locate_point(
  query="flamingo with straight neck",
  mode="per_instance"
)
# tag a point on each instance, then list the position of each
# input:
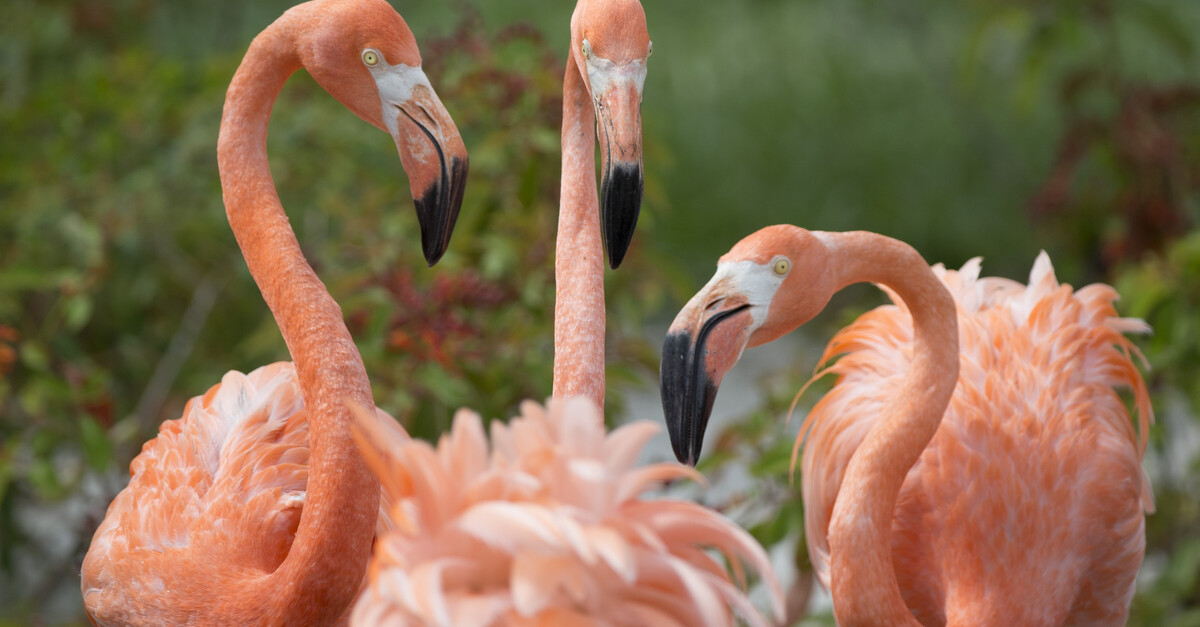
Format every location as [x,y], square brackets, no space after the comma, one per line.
[544,525]
[256,508]
[974,464]
[602,96]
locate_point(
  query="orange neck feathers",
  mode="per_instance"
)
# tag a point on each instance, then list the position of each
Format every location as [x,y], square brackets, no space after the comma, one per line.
[324,568]
[860,547]
[579,315]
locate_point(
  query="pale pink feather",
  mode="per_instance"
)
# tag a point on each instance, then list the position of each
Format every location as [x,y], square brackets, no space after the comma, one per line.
[545,528]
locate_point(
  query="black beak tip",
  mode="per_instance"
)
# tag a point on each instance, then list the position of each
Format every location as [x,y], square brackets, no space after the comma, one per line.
[437,211]
[620,204]
[686,446]
[685,455]
[434,236]
[686,397]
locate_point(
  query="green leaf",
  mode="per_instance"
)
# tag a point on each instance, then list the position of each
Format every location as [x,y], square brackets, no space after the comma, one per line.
[44,479]
[96,446]
[34,356]
[1184,568]
[78,310]
[446,389]
[1165,26]
[774,462]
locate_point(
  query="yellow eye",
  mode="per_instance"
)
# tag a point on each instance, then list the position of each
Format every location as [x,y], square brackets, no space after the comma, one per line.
[782,266]
[370,57]
[586,49]
[650,49]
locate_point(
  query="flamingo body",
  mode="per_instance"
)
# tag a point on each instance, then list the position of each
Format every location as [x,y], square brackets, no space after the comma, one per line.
[1027,505]
[238,454]
[974,464]
[256,508]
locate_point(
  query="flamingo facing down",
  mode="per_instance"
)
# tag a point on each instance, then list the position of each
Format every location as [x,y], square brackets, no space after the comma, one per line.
[999,486]
[545,528]
[255,507]
[602,90]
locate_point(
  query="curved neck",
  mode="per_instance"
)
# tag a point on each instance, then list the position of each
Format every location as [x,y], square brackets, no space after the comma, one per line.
[578,258]
[865,590]
[325,565]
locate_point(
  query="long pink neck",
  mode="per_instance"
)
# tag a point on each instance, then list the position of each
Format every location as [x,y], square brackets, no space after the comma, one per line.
[865,590]
[322,572]
[578,258]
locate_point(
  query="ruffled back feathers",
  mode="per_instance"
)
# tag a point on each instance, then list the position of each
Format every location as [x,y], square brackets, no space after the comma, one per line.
[1058,343]
[545,527]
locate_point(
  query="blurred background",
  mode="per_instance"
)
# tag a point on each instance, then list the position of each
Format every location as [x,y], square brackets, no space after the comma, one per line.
[978,128]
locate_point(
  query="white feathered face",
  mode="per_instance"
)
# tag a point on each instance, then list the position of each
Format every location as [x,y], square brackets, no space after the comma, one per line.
[610,46]
[767,285]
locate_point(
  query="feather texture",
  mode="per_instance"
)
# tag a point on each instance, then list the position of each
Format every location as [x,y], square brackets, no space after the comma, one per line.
[545,528]
[1035,469]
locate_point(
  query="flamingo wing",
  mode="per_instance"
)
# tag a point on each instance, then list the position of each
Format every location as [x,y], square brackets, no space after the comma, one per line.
[232,468]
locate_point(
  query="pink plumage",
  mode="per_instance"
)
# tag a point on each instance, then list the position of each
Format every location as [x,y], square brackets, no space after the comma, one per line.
[545,527]
[238,455]
[975,462]
[1032,487]
[254,508]
[250,430]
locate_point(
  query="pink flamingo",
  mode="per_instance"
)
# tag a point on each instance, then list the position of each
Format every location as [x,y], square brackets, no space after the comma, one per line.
[255,507]
[999,484]
[545,526]
[602,90]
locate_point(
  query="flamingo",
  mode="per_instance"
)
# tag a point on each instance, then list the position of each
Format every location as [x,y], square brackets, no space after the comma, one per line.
[997,486]
[255,507]
[544,526]
[602,90]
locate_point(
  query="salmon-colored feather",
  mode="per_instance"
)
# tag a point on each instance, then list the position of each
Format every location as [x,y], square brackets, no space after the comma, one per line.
[237,455]
[1032,487]
[530,546]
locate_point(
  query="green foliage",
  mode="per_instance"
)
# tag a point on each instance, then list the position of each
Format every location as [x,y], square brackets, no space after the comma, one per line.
[1125,86]
[1164,290]
[97,257]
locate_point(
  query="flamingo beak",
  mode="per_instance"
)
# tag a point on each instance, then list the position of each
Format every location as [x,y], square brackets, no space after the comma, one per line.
[619,127]
[435,158]
[705,341]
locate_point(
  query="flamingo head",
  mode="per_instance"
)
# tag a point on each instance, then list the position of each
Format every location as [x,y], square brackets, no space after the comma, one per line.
[770,283]
[363,53]
[610,46]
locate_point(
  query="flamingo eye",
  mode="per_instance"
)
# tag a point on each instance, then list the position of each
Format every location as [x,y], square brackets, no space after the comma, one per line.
[586,49]
[650,50]
[370,58]
[781,267]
